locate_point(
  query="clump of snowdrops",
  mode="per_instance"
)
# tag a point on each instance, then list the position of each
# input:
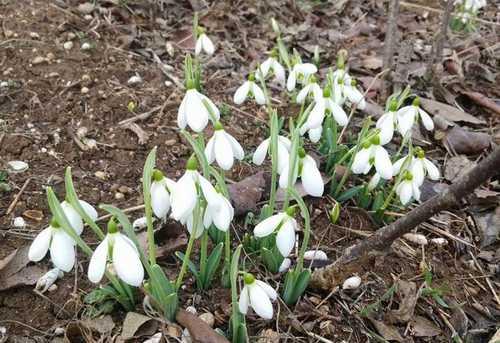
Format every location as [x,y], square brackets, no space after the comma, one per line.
[466,14]
[199,199]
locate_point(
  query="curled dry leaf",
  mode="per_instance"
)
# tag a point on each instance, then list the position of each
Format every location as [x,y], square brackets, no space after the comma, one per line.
[484,101]
[407,290]
[199,331]
[448,112]
[423,327]
[137,325]
[14,271]
[457,166]
[461,141]
[389,332]
[488,225]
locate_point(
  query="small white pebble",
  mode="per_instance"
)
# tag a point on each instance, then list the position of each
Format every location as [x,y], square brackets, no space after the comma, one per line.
[71,35]
[439,241]
[43,150]
[38,60]
[134,80]
[139,223]
[84,90]
[168,83]
[86,46]
[318,255]
[53,288]
[119,196]
[415,238]
[191,309]
[19,222]
[68,45]
[100,175]
[59,331]
[4,84]
[34,35]
[17,166]
[351,283]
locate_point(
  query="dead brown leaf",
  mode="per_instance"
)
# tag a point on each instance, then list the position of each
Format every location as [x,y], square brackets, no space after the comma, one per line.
[423,327]
[372,62]
[246,193]
[461,141]
[448,112]
[199,331]
[137,325]
[101,325]
[489,226]
[457,166]
[408,293]
[484,101]
[13,270]
[389,332]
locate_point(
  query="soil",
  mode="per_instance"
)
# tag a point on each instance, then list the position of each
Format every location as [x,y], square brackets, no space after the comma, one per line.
[49,103]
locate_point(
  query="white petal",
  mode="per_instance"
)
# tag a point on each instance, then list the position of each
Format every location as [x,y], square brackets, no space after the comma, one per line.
[160,199]
[316,116]
[283,154]
[383,163]
[209,150]
[126,261]
[97,265]
[264,68]
[196,112]
[183,197]
[355,96]
[73,217]
[268,225]
[258,94]
[426,120]
[241,93]
[271,293]
[260,153]
[316,91]
[405,192]
[318,255]
[207,218]
[223,152]
[386,126]
[432,170]
[89,209]
[215,110]
[315,134]
[181,114]
[282,140]
[361,161]
[406,119]
[306,68]
[260,302]
[244,300]
[415,191]
[301,97]
[417,170]
[62,250]
[223,216]
[198,46]
[279,72]
[311,177]
[291,81]
[375,179]
[208,46]
[209,192]
[40,245]
[285,265]
[235,146]
[337,112]
[285,239]
[396,167]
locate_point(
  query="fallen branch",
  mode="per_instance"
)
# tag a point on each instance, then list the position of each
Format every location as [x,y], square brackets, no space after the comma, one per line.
[353,257]
[391,33]
[438,46]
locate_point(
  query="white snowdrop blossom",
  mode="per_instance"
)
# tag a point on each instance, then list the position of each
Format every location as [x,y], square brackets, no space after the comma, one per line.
[284,225]
[308,171]
[300,70]
[322,106]
[408,188]
[471,5]
[318,255]
[373,154]
[75,220]
[285,265]
[419,166]
[386,125]
[160,197]
[311,88]
[193,111]
[409,114]
[257,295]
[315,134]
[59,243]
[355,97]
[122,253]
[283,144]
[203,43]
[220,213]
[249,88]
[272,65]
[223,148]
[48,279]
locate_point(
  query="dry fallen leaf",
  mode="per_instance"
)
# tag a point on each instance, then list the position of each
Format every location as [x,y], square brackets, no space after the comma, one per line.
[389,332]
[137,325]
[423,327]
[14,271]
[102,325]
[461,141]
[372,62]
[408,294]
[457,166]
[448,112]
[246,193]
[489,227]
[199,331]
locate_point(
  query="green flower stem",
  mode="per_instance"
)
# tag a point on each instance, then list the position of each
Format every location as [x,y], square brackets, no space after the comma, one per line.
[210,110]
[233,274]
[293,166]
[264,89]
[274,160]
[196,217]
[146,190]
[203,253]
[307,227]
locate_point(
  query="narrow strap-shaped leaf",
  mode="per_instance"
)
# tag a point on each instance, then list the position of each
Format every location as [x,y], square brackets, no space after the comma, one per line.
[212,264]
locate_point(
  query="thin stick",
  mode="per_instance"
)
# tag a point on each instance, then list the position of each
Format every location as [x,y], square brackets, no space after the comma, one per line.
[18,195]
[438,46]
[390,35]
[487,279]
[142,116]
[127,210]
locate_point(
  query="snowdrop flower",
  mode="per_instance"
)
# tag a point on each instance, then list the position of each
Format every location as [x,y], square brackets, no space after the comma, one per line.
[272,65]
[249,88]
[311,88]
[160,198]
[386,124]
[308,171]
[48,279]
[315,134]
[220,213]
[408,188]
[122,253]
[300,70]
[258,295]
[260,153]
[408,114]
[203,43]
[471,5]
[322,106]
[223,148]
[285,225]
[373,183]
[351,92]
[419,167]
[74,218]
[60,244]
[318,255]
[193,111]
[372,153]
[285,265]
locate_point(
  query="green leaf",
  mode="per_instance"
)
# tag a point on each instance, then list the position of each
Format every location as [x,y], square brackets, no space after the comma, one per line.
[242,335]
[163,291]
[147,174]
[269,260]
[289,285]
[191,265]
[217,236]
[349,194]
[212,264]
[378,201]
[300,285]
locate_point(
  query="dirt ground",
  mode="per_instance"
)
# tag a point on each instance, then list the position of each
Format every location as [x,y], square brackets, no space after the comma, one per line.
[59,97]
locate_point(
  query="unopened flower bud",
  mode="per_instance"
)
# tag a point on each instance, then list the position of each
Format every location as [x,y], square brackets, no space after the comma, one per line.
[334,213]
[131,106]
[275,26]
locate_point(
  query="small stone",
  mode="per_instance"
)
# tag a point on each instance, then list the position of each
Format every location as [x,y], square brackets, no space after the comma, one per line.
[170,49]
[415,238]
[53,74]
[88,17]
[208,318]
[59,331]
[8,33]
[71,36]
[168,83]
[51,56]
[38,60]
[119,196]
[170,142]
[191,309]
[17,166]
[53,288]
[34,35]
[86,8]
[100,175]
[19,222]
[4,84]
[86,46]
[86,77]
[139,223]
[84,90]
[351,283]
[125,189]
[68,45]
[134,80]
[439,241]
[318,255]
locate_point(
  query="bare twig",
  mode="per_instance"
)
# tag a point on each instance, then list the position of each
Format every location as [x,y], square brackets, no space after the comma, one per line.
[354,256]
[438,46]
[18,196]
[391,33]
[141,116]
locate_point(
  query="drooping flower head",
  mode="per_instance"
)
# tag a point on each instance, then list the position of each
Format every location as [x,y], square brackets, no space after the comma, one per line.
[160,197]
[311,88]
[409,114]
[223,148]
[249,88]
[408,188]
[122,253]
[196,109]
[74,219]
[203,43]
[300,71]
[307,169]
[257,295]
[272,65]
[373,154]
[284,225]
[418,165]
[283,144]
[59,243]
